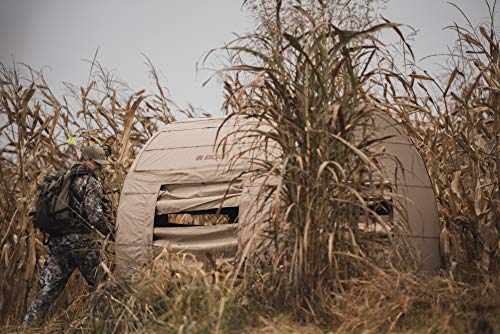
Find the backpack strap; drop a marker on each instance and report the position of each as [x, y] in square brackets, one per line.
[79, 221]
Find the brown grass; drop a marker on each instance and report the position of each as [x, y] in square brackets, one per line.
[311, 81]
[311, 77]
[34, 143]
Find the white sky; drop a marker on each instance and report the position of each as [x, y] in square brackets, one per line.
[174, 34]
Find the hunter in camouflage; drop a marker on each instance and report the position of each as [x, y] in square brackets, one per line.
[79, 248]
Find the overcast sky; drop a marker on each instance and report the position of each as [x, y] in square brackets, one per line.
[58, 34]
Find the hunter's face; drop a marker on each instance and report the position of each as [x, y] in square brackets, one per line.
[98, 166]
[92, 164]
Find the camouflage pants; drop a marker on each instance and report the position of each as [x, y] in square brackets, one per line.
[65, 254]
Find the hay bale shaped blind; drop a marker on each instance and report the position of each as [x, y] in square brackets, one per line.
[182, 169]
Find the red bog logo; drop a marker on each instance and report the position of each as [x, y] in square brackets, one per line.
[215, 157]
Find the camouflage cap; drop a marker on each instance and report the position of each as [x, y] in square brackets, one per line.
[95, 153]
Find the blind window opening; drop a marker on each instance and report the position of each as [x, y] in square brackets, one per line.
[207, 217]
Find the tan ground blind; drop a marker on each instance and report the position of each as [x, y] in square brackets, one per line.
[183, 169]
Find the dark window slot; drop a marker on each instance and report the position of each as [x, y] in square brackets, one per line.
[168, 220]
[382, 208]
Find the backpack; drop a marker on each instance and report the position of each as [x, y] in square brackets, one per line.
[53, 209]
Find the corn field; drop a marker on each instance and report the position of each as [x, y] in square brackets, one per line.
[316, 73]
[36, 135]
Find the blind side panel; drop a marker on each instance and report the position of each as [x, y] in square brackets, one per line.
[219, 240]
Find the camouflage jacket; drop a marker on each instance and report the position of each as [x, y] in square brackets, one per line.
[87, 200]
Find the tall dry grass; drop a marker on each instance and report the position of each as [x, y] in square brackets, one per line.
[455, 122]
[311, 82]
[316, 74]
[36, 132]
[317, 86]
[172, 296]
